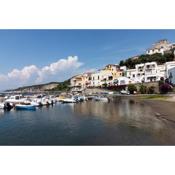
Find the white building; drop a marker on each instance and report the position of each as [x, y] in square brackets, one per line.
[160, 47]
[123, 81]
[131, 74]
[168, 66]
[146, 72]
[95, 79]
[107, 75]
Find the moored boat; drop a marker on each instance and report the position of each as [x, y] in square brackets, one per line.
[25, 107]
[103, 99]
[1, 105]
[68, 100]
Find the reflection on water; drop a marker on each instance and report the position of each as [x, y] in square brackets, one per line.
[133, 114]
[122, 121]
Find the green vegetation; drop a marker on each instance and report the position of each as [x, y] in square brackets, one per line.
[143, 89]
[146, 90]
[63, 86]
[132, 88]
[159, 58]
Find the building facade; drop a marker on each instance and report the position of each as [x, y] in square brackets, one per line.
[106, 76]
[80, 82]
[147, 72]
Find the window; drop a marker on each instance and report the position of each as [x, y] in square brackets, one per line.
[110, 78]
[122, 82]
[133, 75]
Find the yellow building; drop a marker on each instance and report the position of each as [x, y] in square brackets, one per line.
[112, 72]
[80, 81]
[107, 75]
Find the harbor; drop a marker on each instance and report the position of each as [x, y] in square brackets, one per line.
[82, 100]
[123, 120]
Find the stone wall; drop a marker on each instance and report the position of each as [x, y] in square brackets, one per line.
[149, 84]
[119, 88]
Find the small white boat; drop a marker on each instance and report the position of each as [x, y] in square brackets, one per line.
[68, 100]
[79, 98]
[1, 105]
[103, 99]
[25, 107]
[35, 103]
[15, 99]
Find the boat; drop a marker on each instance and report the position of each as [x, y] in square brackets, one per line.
[103, 99]
[1, 105]
[68, 100]
[8, 106]
[79, 98]
[15, 99]
[25, 107]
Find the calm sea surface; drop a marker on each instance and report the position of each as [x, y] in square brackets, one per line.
[119, 122]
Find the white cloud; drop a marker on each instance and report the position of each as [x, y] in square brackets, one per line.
[59, 66]
[32, 73]
[3, 78]
[23, 74]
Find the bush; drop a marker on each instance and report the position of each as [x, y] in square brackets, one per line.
[132, 88]
[151, 90]
[165, 88]
[143, 89]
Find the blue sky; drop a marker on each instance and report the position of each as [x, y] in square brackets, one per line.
[94, 48]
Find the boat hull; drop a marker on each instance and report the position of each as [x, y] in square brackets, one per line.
[25, 107]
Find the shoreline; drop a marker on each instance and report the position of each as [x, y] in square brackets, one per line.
[163, 109]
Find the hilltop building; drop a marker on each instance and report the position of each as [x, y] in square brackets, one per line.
[161, 46]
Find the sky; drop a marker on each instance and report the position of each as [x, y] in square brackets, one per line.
[38, 56]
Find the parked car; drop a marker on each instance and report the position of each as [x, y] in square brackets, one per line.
[124, 92]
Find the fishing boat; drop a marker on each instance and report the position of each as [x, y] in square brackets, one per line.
[25, 107]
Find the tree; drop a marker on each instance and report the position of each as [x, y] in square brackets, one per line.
[132, 88]
[157, 57]
[121, 63]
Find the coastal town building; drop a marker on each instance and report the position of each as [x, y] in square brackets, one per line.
[170, 71]
[80, 82]
[106, 76]
[123, 81]
[161, 46]
[146, 72]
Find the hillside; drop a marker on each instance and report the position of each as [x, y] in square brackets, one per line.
[159, 58]
[52, 86]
